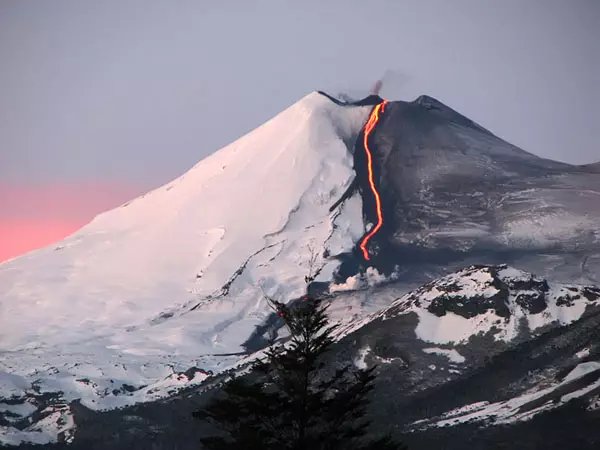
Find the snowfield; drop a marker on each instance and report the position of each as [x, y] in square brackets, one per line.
[114, 313]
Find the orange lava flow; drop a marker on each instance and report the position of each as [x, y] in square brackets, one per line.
[373, 119]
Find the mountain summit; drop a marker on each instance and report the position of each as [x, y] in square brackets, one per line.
[372, 199]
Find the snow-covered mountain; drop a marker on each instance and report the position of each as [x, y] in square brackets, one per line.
[240, 219]
[168, 289]
[179, 273]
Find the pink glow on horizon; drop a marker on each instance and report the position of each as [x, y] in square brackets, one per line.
[19, 237]
[32, 217]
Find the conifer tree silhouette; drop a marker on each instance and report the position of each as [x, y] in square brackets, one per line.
[290, 400]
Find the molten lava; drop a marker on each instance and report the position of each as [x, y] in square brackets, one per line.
[373, 119]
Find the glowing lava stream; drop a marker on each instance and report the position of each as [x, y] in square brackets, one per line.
[373, 119]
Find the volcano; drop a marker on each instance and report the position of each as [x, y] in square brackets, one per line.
[438, 244]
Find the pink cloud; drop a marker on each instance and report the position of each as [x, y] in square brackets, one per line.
[35, 216]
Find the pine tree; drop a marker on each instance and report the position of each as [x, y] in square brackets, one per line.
[289, 401]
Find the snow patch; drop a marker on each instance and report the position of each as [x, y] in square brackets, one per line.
[57, 421]
[451, 328]
[581, 370]
[582, 353]
[451, 354]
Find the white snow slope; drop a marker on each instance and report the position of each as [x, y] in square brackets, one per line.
[133, 297]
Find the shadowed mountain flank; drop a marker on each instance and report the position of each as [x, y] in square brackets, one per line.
[453, 192]
[593, 168]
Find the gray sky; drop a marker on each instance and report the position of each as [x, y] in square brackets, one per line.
[139, 91]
